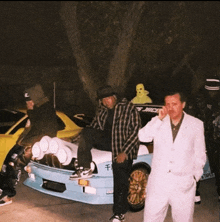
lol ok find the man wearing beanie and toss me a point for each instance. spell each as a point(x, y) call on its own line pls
point(114, 128)
point(207, 108)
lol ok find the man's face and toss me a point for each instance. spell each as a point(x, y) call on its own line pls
point(174, 106)
point(30, 104)
point(109, 102)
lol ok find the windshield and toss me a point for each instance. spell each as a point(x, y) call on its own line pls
point(8, 118)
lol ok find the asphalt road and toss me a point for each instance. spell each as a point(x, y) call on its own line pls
point(32, 206)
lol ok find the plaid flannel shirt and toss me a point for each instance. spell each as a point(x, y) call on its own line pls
point(125, 127)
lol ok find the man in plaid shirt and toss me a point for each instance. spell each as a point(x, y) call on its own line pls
point(114, 128)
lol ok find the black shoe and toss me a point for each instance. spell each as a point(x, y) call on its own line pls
point(118, 218)
point(197, 199)
point(5, 201)
point(2, 196)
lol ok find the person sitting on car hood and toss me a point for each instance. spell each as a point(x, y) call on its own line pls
point(114, 128)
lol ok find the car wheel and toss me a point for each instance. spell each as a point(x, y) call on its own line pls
point(137, 185)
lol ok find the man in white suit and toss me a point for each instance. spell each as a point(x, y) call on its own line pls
point(178, 161)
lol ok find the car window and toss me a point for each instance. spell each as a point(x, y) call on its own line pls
point(8, 118)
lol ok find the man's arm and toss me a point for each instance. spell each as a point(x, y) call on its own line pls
point(132, 141)
point(99, 118)
point(147, 133)
point(25, 132)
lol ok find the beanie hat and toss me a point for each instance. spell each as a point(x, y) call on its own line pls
point(37, 95)
point(105, 91)
point(212, 83)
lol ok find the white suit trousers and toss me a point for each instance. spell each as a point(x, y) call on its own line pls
point(173, 190)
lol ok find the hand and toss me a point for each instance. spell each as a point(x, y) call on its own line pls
point(162, 112)
point(28, 123)
point(121, 157)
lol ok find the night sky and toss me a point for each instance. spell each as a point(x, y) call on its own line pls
point(31, 33)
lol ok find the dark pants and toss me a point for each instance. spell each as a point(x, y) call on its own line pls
point(8, 181)
point(121, 174)
point(121, 171)
point(197, 188)
point(10, 175)
point(213, 153)
point(89, 139)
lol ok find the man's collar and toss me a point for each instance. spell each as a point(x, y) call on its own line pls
point(178, 122)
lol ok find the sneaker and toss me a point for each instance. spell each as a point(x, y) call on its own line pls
point(2, 196)
point(118, 218)
point(197, 199)
point(5, 201)
point(81, 174)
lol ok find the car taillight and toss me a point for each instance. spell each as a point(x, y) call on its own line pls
point(27, 169)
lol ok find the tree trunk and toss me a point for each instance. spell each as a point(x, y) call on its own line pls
point(69, 17)
point(116, 77)
point(117, 71)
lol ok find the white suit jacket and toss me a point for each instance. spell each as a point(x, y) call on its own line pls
point(186, 156)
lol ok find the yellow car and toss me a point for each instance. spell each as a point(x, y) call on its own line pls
point(12, 123)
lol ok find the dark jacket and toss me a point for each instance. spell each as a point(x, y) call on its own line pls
point(208, 110)
point(126, 124)
point(43, 117)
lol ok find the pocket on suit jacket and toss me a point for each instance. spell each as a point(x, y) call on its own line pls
point(185, 183)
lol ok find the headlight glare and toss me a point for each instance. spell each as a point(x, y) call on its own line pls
point(62, 155)
point(36, 151)
point(53, 146)
point(44, 143)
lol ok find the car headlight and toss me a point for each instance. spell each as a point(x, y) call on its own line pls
point(27, 169)
point(44, 143)
point(54, 145)
point(37, 152)
point(61, 155)
point(64, 155)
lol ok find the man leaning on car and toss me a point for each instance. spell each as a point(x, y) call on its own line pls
point(41, 121)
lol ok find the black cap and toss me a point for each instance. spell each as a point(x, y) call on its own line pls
point(105, 91)
point(27, 97)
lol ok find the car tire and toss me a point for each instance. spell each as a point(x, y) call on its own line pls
point(137, 186)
